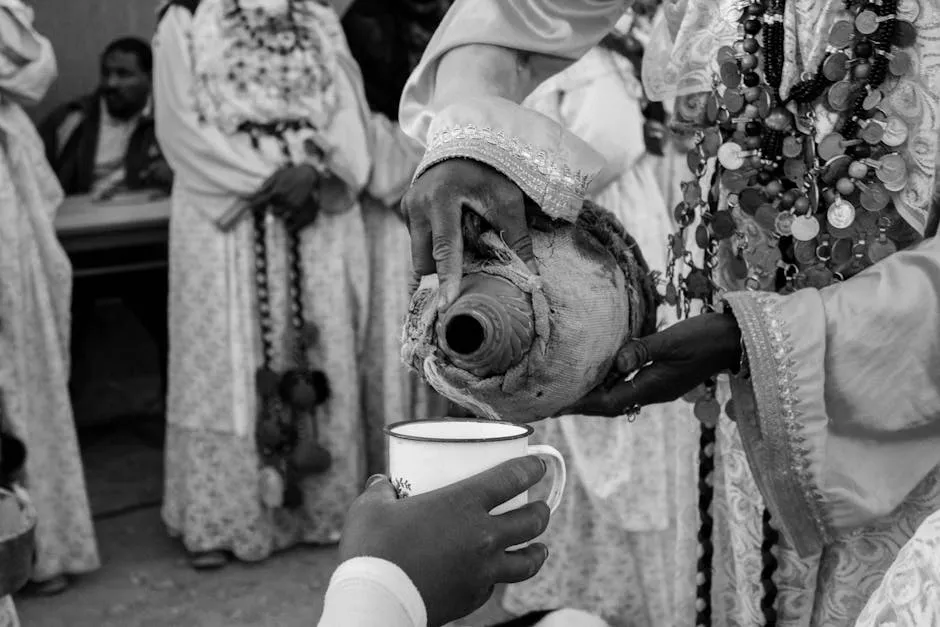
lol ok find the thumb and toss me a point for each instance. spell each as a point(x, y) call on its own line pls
point(448, 255)
point(640, 351)
point(379, 489)
point(632, 356)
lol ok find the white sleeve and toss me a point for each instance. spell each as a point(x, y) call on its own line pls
point(372, 592)
point(462, 101)
point(25, 81)
point(204, 159)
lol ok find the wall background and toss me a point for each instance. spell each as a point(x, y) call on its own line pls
point(79, 31)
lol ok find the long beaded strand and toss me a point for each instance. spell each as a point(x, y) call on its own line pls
point(280, 427)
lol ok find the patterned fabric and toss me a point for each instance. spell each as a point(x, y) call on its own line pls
point(8, 613)
point(810, 437)
point(265, 62)
point(781, 428)
point(212, 486)
point(635, 575)
point(213, 503)
point(909, 595)
point(539, 173)
point(826, 590)
point(35, 289)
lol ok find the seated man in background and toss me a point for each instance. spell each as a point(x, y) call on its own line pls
point(101, 144)
point(105, 141)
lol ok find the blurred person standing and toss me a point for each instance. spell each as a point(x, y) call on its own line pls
point(35, 290)
point(269, 270)
point(623, 540)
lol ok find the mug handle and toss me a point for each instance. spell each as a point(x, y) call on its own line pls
point(559, 472)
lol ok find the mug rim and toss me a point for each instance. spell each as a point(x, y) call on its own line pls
point(527, 431)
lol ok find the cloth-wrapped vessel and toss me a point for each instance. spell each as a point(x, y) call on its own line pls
point(521, 347)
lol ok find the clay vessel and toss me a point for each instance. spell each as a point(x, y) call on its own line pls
point(489, 328)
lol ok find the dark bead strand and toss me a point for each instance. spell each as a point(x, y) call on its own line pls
point(295, 286)
point(774, 40)
point(262, 289)
point(806, 91)
point(263, 294)
point(850, 126)
point(882, 41)
point(769, 568)
point(771, 147)
point(296, 280)
point(879, 69)
point(775, 151)
point(706, 468)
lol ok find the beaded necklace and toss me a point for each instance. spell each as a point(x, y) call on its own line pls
point(789, 205)
point(286, 430)
point(264, 67)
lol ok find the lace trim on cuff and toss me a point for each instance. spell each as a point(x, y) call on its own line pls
point(777, 447)
point(554, 186)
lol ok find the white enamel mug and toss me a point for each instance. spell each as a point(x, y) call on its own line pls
point(425, 455)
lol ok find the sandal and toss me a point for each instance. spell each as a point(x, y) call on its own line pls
point(50, 587)
point(208, 560)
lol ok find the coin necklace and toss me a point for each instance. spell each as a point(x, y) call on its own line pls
point(796, 186)
point(824, 201)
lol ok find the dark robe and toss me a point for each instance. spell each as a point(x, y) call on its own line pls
point(387, 39)
point(74, 162)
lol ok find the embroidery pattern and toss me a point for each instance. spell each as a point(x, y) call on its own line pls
point(402, 487)
point(265, 66)
point(768, 341)
point(554, 186)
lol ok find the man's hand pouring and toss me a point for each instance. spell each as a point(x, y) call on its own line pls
point(434, 208)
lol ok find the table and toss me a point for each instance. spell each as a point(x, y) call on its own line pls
point(118, 249)
point(126, 234)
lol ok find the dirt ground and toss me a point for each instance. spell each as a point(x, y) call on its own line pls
point(146, 582)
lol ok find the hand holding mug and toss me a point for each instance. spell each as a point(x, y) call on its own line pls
point(447, 541)
point(667, 364)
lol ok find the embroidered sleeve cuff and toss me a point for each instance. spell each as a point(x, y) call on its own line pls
point(780, 440)
point(552, 166)
point(372, 592)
